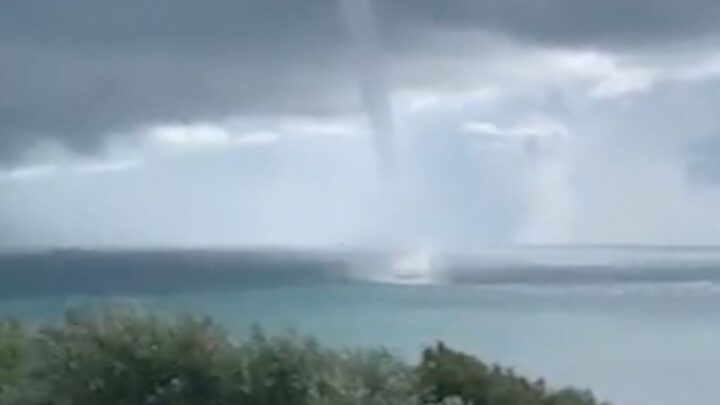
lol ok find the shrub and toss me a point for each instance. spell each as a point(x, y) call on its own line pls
point(366, 377)
point(128, 358)
point(448, 375)
point(11, 353)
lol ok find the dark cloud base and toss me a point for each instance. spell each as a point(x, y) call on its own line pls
point(77, 70)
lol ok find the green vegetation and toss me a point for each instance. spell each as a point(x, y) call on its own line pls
point(126, 358)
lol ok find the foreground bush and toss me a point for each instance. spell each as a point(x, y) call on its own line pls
point(125, 358)
point(446, 374)
point(11, 354)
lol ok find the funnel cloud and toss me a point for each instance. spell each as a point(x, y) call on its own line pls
point(374, 88)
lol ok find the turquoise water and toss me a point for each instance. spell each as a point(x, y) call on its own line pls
point(633, 344)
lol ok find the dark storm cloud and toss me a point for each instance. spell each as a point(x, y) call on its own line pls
point(568, 22)
point(80, 69)
point(77, 70)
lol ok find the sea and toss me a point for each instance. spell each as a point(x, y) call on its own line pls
point(637, 325)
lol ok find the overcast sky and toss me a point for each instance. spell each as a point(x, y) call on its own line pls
point(251, 122)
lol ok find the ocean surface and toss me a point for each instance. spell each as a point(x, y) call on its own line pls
point(638, 326)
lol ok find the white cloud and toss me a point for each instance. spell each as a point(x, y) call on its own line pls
point(608, 77)
point(514, 68)
point(207, 135)
point(105, 167)
point(622, 82)
point(195, 135)
point(44, 171)
point(417, 100)
point(613, 76)
point(311, 126)
point(536, 125)
point(256, 138)
point(485, 128)
point(28, 173)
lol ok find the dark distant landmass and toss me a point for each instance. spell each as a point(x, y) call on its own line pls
point(158, 271)
point(69, 271)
